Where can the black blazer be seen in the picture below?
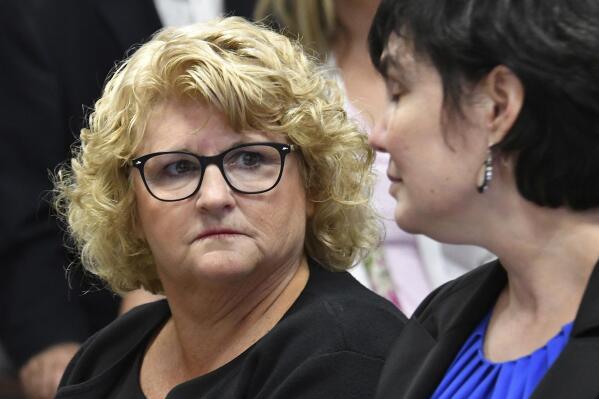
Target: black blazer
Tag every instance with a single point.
(442, 323)
(55, 58)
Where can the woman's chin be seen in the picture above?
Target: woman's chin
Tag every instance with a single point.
(405, 220)
(220, 267)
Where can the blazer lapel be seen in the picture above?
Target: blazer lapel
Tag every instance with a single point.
(436, 361)
(131, 21)
(428, 345)
(575, 372)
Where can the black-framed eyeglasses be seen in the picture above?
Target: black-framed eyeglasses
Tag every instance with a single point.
(251, 168)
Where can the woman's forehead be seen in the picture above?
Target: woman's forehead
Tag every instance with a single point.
(398, 57)
(201, 130)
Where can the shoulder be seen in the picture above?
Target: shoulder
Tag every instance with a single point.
(332, 343)
(437, 330)
(445, 301)
(337, 313)
(109, 347)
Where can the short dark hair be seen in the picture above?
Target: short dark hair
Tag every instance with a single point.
(552, 46)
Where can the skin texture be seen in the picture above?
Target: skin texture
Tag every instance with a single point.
(225, 290)
(268, 235)
(434, 164)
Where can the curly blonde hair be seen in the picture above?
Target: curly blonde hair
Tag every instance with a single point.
(261, 81)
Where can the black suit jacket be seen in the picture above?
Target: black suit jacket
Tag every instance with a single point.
(442, 323)
(55, 58)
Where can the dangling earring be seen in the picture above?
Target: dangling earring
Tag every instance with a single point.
(486, 173)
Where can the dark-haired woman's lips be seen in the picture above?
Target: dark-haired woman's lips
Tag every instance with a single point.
(394, 179)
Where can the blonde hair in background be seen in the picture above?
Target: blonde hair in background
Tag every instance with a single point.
(261, 81)
(312, 22)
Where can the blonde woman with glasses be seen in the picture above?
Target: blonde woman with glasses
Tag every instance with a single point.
(220, 170)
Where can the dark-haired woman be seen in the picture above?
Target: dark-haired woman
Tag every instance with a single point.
(493, 133)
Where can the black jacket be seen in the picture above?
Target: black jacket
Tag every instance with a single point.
(442, 323)
(330, 344)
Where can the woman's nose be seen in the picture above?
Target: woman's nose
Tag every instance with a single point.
(378, 135)
(214, 192)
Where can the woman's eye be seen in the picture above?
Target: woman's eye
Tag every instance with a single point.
(249, 159)
(181, 167)
(394, 91)
(394, 97)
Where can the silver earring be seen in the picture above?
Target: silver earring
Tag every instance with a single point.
(486, 173)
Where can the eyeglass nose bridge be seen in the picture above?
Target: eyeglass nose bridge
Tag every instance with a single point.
(216, 160)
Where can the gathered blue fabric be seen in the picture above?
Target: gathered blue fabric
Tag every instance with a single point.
(472, 376)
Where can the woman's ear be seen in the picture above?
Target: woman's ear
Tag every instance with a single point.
(506, 94)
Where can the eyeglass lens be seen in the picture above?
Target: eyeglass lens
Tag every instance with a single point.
(173, 176)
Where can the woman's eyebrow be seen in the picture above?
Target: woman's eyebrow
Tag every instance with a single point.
(190, 148)
(387, 61)
(393, 69)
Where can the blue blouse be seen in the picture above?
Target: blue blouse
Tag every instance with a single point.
(472, 376)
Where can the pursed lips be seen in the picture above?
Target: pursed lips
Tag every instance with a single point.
(391, 173)
(218, 232)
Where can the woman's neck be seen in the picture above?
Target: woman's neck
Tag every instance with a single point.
(549, 255)
(211, 326)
